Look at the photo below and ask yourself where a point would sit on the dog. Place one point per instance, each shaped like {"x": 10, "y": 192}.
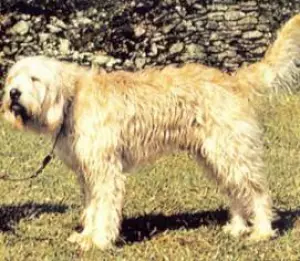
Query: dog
{"x": 107, "y": 124}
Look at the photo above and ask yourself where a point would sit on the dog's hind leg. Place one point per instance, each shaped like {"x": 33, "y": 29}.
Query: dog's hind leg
{"x": 238, "y": 215}
{"x": 234, "y": 154}
{"x": 238, "y": 218}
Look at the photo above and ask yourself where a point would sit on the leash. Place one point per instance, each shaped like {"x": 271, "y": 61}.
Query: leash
{"x": 45, "y": 162}
{"x": 47, "y": 159}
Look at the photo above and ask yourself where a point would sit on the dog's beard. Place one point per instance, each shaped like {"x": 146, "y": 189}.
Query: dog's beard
{"x": 19, "y": 111}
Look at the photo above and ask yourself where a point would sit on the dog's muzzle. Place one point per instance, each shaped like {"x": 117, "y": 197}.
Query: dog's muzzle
{"x": 15, "y": 106}
{"x": 19, "y": 110}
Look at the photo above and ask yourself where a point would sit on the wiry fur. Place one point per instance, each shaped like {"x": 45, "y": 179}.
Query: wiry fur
{"x": 114, "y": 122}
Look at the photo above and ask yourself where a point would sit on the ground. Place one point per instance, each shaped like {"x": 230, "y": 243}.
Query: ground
{"x": 171, "y": 211}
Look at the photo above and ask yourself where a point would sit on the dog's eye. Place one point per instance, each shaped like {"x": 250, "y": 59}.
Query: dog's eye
{"x": 34, "y": 79}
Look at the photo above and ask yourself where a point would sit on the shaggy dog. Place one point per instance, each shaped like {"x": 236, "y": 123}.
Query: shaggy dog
{"x": 106, "y": 124}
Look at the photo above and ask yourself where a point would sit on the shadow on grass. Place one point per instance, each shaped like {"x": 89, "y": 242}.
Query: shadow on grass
{"x": 141, "y": 228}
{"x": 286, "y": 220}
{"x": 11, "y": 215}
{"x": 145, "y": 227}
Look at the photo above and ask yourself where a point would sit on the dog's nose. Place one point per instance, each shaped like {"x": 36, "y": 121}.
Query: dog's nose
{"x": 14, "y": 94}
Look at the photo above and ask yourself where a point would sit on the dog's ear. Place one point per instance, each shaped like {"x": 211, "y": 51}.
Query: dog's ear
{"x": 55, "y": 114}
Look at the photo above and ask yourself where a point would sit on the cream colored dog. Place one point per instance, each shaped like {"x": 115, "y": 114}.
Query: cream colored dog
{"x": 109, "y": 123}
{"x": 106, "y": 124}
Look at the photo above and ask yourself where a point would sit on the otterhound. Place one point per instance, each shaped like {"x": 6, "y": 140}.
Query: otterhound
{"x": 106, "y": 124}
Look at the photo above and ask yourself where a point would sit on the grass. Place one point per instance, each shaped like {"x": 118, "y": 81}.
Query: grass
{"x": 171, "y": 211}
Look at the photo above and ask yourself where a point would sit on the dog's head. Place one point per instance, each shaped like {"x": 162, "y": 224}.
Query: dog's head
{"x": 33, "y": 94}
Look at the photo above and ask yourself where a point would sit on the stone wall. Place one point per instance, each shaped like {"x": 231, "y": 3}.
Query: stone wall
{"x": 134, "y": 34}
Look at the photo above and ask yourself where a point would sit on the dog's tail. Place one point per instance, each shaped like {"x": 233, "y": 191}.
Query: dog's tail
{"x": 280, "y": 67}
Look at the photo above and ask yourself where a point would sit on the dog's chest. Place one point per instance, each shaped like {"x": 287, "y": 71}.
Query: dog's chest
{"x": 65, "y": 152}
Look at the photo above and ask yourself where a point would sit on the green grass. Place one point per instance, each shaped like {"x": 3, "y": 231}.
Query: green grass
{"x": 171, "y": 211}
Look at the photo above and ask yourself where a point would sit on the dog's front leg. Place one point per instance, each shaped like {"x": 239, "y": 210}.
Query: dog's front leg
{"x": 102, "y": 215}
{"x": 85, "y": 195}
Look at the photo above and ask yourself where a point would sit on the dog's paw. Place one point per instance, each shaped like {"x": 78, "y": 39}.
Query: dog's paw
{"x": 84, "y": 241}
{"x": 102, "y": 243}
{"x": 236, "y": 230}
{"x": 258, "y": 235}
